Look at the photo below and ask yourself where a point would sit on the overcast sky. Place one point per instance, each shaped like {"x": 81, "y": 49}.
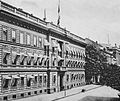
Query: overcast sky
{"x": 94, "y": 19}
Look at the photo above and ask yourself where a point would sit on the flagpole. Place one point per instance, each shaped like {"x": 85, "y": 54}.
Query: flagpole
{"x": 58, "y": 21}
{"x": 44, "y": 15}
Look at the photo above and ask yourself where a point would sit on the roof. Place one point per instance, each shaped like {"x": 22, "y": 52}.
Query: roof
{"x": 31, "y": 18}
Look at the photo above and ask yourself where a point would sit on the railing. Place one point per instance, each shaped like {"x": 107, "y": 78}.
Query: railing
{"x": 73, "y": 36}
{"x": 7, "y": 7}
{"x": 56, "y": 28}
{"x": 20, "y": 12}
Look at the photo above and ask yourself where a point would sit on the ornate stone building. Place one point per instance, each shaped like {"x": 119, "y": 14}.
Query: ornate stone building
{"x": 36, "y": 56}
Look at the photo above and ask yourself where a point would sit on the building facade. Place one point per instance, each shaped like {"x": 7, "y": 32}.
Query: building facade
{"x": 112, "y": 53}
{"x": 37, "y": 57}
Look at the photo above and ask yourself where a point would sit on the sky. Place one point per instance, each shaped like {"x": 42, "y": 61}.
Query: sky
{"x": 94, "y": 19}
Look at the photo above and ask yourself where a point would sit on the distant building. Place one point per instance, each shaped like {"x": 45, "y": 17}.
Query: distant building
{"x": 36, "y": 56}
{"x": 112, "y": 53}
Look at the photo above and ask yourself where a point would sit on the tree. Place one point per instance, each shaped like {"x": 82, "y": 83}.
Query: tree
{"x": 95, "y": 61}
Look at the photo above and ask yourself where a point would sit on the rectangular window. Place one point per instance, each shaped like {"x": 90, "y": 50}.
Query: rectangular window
{"x": 28, "y": 39}
{"x": 5, "y": 33}
{"x": 35, "y": 80}
{"x": 40, "y": 42}
{"x": 13, "y": 35}
{"x": 29, "y": 82}
{"x": 21, "y": 38}
{"x": 67, "y": 77}
{"x": 40, "y": 80}
{"x": 22, "y": 81}
{"x": 45, "y": 80}
{"x": 14, "y": 82}
{"x": 54, "y": 79}
{"x": 5, "y": 58}
{"x": 35, "y": 41}
{"x": 5, "y": 83}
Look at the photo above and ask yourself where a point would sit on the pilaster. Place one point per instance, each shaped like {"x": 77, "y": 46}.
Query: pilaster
{"x": 17, "y": 36}
{"x": 50, "y": 53}
{"x": 25, "y": 82}
{"x": 0, "y": 54}
{"x": 0, "y": 31}
{"x": 9, "y": 34}
{"x": 0, "y": 83}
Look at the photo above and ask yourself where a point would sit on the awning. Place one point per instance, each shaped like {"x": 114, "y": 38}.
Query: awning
{"x": 54, "y": 43}
{"x": 60, "y": 59}
{"x": 14, "y": 56}
{"x": 75, "y": 64}
{"x": 35, "y": 57}
{"x": 70, "y": 64}
{"x": 67, "y": 47}
{"x": 6, "y": 51}
{"x": 74, "y": 53}
{"x": 59, "y": 49}
{"x": 35, "y": 74}
{"x": 22, "y": 56}
{"x": 41, "y": 59}
{"x": 78, "y": 64}
{"x": 46, "y": 43}
{"x": 45, "y": 59}
{"x": 4, "y": 29}
{"x": 30, "y": 76}
{"x": 7, "y": 77}
{"x": 22, "y": 75}
{"x": 30, "y": 56}
{"x": 5, "y": 55}
{"x": 15, "y": 76}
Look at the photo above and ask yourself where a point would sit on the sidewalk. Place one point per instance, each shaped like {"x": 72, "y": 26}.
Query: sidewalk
{"x": 58, "y": 95}
{"x": 105, "y": 92}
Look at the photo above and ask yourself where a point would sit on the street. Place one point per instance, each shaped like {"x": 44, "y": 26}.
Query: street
{"x": 76, "y": 94}
{"x": 103, "y": 91}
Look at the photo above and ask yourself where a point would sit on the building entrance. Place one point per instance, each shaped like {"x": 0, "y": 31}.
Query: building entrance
{"x": 61, "y": 80}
